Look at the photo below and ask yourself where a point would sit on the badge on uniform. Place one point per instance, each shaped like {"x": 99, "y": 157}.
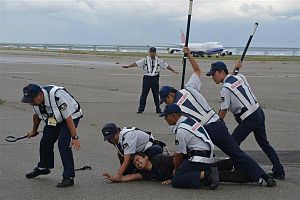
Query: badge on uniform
{"x": 222, "y": 99}
{"x": 52, "y": 121}
{"x": 176, "y": 142}
{"x": 63, "y": 107}
{"x": 125, "y": 145}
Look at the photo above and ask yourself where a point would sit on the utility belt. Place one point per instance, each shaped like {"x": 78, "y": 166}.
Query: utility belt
{"x": 203, "y": 153}
{"x": 149, "y": 76}
{"x": 245, "y": 112}
{"x": 200, "y": 156}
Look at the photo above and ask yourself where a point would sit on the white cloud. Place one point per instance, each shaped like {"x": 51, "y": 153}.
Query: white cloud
{"x": 97, "y": 11}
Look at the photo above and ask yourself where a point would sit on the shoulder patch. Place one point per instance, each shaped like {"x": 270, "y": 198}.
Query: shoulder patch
{"x": 176, "y": 142}
{"x": 63, "y": 107}
{"x": 125, "y": 145}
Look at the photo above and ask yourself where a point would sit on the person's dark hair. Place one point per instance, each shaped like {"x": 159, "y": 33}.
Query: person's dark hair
{"x": 174, "y": 91}
{"x": 225, "y": 71}
{"x": 138, "y": 154}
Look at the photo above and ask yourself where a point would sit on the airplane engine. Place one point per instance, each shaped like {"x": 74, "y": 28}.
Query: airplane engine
{"x": 171, "y": 51}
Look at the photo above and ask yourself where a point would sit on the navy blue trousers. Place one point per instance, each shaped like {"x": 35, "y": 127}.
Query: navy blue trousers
{"x": 150, "y": 82}
{"x": 51, "y": 134}
{"x": 256, "y": 123}
{"x": 220, "y": 136}
{"x": 188, "y": 175}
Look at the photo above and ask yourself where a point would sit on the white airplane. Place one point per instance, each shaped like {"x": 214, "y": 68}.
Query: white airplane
{"x": 200, "y": 49}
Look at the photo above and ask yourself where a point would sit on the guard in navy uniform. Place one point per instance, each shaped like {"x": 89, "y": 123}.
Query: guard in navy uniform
{"x": 194, "y": 105}
{"x": 237, "y": 97}
{"x": 193, "y": 158}
{"x": 128, "y": 141}
{"x": 61, "y": 114}
{"x": 151, "y": 65}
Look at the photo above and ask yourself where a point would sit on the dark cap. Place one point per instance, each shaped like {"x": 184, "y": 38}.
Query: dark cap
{"x": 109, "y": 130}
{"x": 152, "y": 49}
{"x": 171, "y": 108}
{"x": 217, "y": 66}
{"x": 29, "y": 92}
{"x": 164, "y": 92}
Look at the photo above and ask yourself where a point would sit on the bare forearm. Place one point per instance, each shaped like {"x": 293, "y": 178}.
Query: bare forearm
{"x": 124, "y": 165}
{"x": 222, "y": 114}
{"x": 132, "y": 65}
{"x": 71, "y": 126}
{"x": 178, "y": 158}
{"x": 171, "y": 69}
{"x": 36, "y": 122}
{"x": 194, "y": 64}
{"x": 131, "y": 177}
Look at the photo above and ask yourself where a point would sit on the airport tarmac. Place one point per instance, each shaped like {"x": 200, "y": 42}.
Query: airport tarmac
{"x": 109, "y": 93}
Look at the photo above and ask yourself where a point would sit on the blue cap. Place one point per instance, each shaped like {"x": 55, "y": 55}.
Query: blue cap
{"x": 171, "y": 108}
{"x": 164, "y": 92}
{"x": 109, "y": 130}
{"x": 216, "y": 66}
{"x": 152, "y": 49}
{"x": 29, "y": 92}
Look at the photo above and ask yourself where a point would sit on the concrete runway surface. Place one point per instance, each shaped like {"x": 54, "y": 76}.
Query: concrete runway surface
{"x": 109, "y": 93}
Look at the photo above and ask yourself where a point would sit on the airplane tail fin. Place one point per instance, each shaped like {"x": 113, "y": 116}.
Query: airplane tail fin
{"x": 182, "y": 37}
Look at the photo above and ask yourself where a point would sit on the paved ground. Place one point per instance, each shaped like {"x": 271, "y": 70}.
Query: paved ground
{"x": 109, "y": 93}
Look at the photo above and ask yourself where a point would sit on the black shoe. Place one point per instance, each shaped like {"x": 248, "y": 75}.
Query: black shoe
{"x": 66, "y": 183}
{"x": 213, "y": 178}
{"x": 36, "y": 172}
{"x": 277, "y": 176}
{"x": 139, "y": 112}
{"x": 270, "y": 182}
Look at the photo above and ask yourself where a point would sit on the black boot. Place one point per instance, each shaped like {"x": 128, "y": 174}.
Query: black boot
{"x": 277, "y": 175}
{"x": 66, "y": 182}
{"x": 269, "y": 180}
{"x": 212, "y": 178}
{"x": 36, "y": 172}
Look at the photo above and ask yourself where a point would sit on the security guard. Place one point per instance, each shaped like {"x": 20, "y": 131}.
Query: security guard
{"x": 151, "y": 65}
{"x": 128, "y": 141}
{"x": 61, "y": 114}
{"x": 194, "y": 105}
{"x": 194, "y": 151}
{"x": 236, "y": 96}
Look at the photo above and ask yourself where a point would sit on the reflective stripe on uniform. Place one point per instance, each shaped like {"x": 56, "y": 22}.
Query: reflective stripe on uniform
{"x": 238, "y": 87}
{"x": 152, "y": 71}
{"x": 197, "y": 129}
{"x": 50, "y": 91}
{"x": 126, "y": 130}
{"x": 192, "y": 107}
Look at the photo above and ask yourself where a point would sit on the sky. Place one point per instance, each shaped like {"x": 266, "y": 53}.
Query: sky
{"x": 150, "y": 22}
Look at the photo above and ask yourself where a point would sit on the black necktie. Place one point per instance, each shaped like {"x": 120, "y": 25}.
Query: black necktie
{"x": 152, "y": 64}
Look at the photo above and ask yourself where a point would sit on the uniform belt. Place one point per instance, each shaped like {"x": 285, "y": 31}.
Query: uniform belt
{"x": 245, "y": 113}
{"x": 243, "y": 110}
{"x": 202, "y": 153}
{"x": 148, "y": 145}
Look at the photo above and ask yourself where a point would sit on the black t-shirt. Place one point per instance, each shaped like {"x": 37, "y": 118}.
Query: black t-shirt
{"x": 162, "y": 168}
